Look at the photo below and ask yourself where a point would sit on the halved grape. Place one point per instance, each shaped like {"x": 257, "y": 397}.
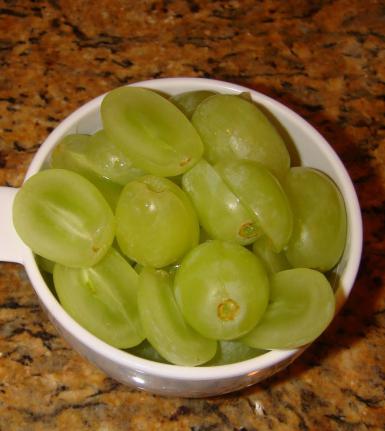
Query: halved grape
{"x": 232, "y": 127}
{"x": 151, "y": 130}
{"x": 72, "y": 154}
{"x": 220, "y": 212}
{"x": 63, "y": 217}
{"x": 94, "y": 154}
{"x": 301, "y": 306}
{"x": 188, "y": 101}
{"x": 319, "y": 233}
{"x": 222, "y": 289}
{"x": 109, "y": 161}
{"x": 273, "y": 262}
{"x": 155, "y": 222}
{"x": 103, "y": 299}
{"x": 164, "y": 325}
{"x": 232, "y": 351}
{"x": 260, "y": 191}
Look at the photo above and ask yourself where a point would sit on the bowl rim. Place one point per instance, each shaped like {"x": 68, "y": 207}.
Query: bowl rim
{"x": 145, "y": 366}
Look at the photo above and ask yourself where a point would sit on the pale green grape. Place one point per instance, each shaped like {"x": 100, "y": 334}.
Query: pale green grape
{"x": 301, "y": 306}
{"x": 103, "y": 299}
{"x": 72, "y": 153}
{"x": 222, "y": 289}
{"x": 146, "y": 351}
{"x": 109, "y": 161}
{"x": 232, "y": 127}
{"x": 94, "y": 155}
{"x": 63, "y": 217}
{"x": 164, "y": 325}
{"x": 151, "y": 130}
{"x": 220, "y": 212}
{"x": 273, "y": 262}
{"x": 319, "y": 233}
{"x": 230, "y": 352}
{"x": 110, "y": 190}
{"x": 260, "y": 191}
{"x": 188, "y": 101}
{"x": 155, "y": 222}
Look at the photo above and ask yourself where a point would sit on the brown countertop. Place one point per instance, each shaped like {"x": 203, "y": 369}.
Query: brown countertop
{"x": 325, "y": 60}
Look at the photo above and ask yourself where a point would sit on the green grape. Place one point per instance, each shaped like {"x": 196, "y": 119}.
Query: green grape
{"x": 220, "y": 212}
{"x": 188, "y": 101}
{"x": 146, "y": 351}
{"x": 232, "y": 127}
{"x": 232, "y": 351}
{"x": 151, "y": 130}
{"x": 155, "y": 222}
{"x": 72, "y": 154}
{"x": 222, "y": 289}
{"x": 110, "y": 190}
{"x": 260, "y": 191}
{"x": 109, "y": 161}
{"x": 273, "y": 262}
{"x": 63, "y": 217}
{"x": 319, "y": 233}
{"x": 103, "y": 299}
{"x": 164, "y": 325}
{"x": 301, "y": 306}
{"x": 94, "y": 154}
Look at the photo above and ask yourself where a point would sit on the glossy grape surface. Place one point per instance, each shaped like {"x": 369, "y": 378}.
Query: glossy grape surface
{"x": 62, "y": 217}
{"x": 151, "y": 130}
{"x": 187, "y": 102}
{"x": 220, "y": 212}
{"x": 94, "y": 155}
{"x": 109, "y": 161}
{"x": 164, "y": 325}
{"x": 155, "y": 222}
{"x": 103, "y": 299}
{"x": 273, "y": 262}
{"x": 319, "y": 233}
{"x": 260, "y": 191}
{"x": 72, "y": 153}
{"x": 230, "y": 352}
{"x": 300, "y": 308}
{"x": 222, "y": 289}
{"x": 232, "y": 127}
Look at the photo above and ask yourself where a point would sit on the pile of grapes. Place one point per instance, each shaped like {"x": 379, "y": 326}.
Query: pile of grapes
{"x": 181, "y": 233}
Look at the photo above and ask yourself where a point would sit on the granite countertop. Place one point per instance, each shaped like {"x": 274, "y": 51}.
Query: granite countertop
{"x": 323, "y": 59}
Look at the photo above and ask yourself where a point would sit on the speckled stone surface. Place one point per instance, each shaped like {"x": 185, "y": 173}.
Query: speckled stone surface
{"x": 325, "y": 60}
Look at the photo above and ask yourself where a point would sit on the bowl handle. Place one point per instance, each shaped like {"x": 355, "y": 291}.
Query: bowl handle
{"x": 12, "y": 248}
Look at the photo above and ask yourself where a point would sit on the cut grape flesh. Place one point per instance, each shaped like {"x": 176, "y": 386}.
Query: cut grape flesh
{"x": 301, "y": 306}
{"x": 103, "y": 299}
{"x": 63, "y": 217}
{"x": 151, "y": 131}
{"x": 164, "y": 325}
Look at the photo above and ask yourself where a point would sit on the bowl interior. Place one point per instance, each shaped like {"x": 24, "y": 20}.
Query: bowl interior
{"x": 311, "y": 149}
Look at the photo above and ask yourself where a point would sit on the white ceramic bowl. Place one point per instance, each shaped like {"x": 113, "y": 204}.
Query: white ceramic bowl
{"x": 166, "y": 379}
